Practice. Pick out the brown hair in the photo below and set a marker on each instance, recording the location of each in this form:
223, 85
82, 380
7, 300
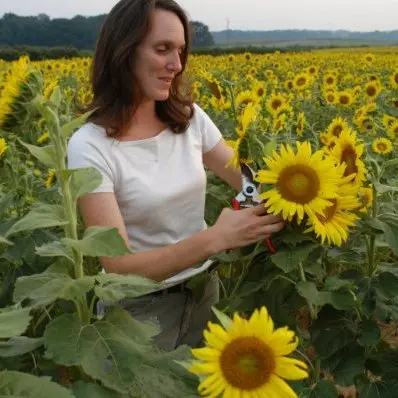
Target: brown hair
115, 101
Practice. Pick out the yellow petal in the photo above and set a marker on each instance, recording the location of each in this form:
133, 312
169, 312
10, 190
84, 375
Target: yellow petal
290, 368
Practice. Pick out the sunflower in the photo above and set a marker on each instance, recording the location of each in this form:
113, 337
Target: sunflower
330, 81
300, 124
345, 98
301, 183
279, 123
247, 116
382, 146
337, 125
365, 124
369, 58
248, 359
43, 137
392, 130
302, 81
348, 150
13, 88
394, 103
259, 89
274, 102
365, 195
330, 97
3, 146
245, 97
388, 120
372, 90
334, 224
394, 79
241, 152
51, 178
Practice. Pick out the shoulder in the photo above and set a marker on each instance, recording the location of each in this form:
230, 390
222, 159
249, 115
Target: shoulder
89, 133
199, 117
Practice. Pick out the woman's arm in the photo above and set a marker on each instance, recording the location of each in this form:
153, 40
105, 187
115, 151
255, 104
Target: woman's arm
216, 160
232, 229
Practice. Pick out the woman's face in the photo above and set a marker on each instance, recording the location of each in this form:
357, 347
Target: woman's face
158, 56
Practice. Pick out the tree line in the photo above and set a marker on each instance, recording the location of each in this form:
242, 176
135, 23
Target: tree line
79, 32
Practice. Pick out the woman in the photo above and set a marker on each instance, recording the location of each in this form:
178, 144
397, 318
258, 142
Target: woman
151, 144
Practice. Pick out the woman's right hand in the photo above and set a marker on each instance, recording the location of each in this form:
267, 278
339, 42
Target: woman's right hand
240, 228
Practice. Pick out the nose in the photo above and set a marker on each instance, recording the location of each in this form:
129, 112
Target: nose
174, 62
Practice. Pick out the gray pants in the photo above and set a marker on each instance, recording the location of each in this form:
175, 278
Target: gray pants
182, 318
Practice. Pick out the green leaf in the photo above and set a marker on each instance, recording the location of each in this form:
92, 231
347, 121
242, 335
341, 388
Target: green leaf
115, 287
19, 345
369, 333
84, 181
56, 97
85, 390
55, 249
333, 283
225, 320
43, 216
351, 365
270, 147
110, 349
17, 385
288, 259
342, 299
5, 241
387, 284
324, 389
14, 322
45, 154
99, 241
69, 128
43, 289
382, 188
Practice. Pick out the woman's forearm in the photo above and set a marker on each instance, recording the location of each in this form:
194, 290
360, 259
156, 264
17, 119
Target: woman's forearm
160, 264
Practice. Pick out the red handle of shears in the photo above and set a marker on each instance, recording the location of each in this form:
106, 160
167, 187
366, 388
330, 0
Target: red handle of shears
271, 248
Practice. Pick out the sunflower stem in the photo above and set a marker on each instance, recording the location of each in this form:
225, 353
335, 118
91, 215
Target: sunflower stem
311, 307
372, 239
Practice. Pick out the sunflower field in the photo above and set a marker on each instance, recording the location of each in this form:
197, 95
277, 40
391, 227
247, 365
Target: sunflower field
316, 316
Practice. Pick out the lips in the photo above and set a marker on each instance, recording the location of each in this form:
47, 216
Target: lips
166, 79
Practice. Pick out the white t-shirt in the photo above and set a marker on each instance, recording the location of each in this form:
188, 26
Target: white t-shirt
159, 182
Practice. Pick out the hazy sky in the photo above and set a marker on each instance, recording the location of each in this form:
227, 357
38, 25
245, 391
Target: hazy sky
359, 15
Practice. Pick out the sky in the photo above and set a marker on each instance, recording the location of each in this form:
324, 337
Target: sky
354, 15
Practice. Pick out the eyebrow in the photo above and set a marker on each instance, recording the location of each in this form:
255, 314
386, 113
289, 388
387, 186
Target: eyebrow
168, 43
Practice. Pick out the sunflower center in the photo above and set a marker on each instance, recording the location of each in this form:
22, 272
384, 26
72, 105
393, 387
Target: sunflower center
298, 183
349, 156
396, 78
371, 91
247, 363
381, 146
329, 212
260, 92
301, 81
330, 80
337, 130
344, 100
276, 104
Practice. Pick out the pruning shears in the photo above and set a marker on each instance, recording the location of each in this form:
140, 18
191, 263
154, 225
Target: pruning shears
249, 196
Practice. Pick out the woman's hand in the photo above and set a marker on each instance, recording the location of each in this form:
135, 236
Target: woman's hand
235, 229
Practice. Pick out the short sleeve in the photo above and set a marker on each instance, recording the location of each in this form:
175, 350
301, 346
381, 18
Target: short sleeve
85, 151
210, 133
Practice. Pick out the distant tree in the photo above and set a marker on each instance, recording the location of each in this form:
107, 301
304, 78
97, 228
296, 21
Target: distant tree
201, 36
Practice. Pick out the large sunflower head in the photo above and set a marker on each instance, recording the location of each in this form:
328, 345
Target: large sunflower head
248, 359
300, 183
333, 225
302, 81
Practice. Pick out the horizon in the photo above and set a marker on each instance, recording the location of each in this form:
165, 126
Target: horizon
250, 15
222, 30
